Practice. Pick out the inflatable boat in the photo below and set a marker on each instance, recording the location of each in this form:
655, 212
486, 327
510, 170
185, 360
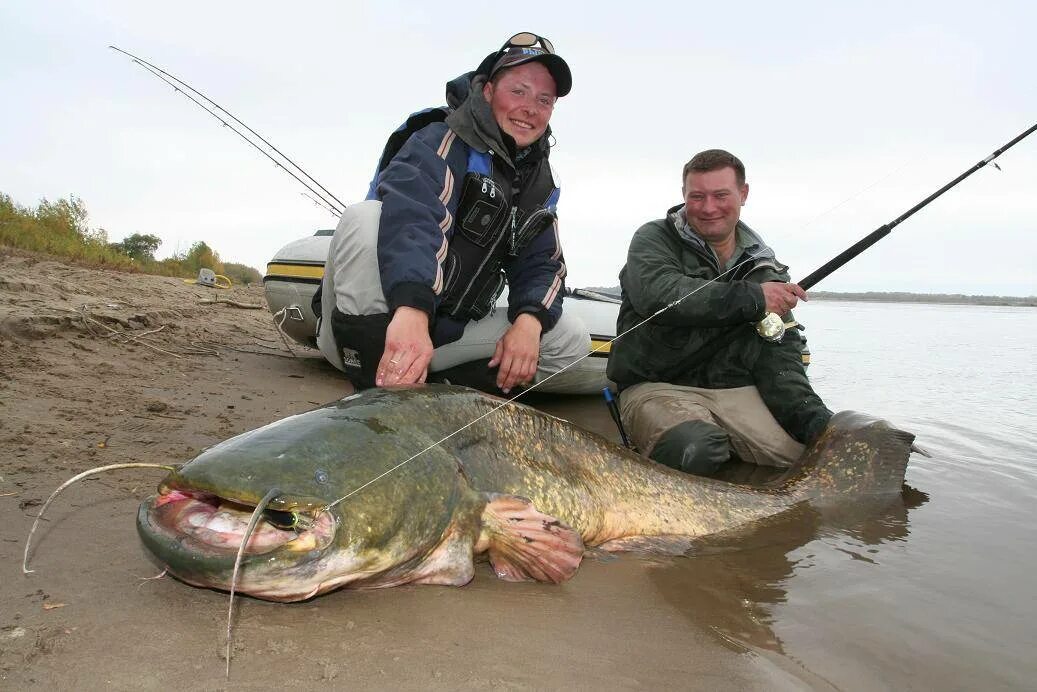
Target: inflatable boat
295, 272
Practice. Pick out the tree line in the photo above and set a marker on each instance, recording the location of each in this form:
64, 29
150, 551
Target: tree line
60, 228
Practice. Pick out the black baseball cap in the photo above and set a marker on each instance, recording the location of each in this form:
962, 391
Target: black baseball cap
528, 47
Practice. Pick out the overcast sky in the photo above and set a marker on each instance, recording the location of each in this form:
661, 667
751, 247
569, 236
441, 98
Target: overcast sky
846, 115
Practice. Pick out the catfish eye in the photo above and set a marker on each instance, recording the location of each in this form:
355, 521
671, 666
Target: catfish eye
286, 521
321, 476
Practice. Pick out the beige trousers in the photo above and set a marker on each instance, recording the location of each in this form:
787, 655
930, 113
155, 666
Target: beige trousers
650, 409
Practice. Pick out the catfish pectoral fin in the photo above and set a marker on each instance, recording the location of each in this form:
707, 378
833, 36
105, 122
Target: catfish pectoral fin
525, 544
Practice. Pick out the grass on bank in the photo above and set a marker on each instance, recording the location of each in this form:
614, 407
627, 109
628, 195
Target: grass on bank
60, 229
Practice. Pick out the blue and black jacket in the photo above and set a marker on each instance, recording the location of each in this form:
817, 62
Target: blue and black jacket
463, 212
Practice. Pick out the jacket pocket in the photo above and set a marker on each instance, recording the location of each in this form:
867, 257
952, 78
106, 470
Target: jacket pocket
449, 272
537, 222
481, 209
484, 298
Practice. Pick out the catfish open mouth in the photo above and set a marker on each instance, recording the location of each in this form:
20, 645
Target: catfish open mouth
216, 526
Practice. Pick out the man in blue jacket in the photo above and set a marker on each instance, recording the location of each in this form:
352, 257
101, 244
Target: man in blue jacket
465, 203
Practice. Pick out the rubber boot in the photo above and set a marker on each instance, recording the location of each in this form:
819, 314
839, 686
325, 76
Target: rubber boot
693, 446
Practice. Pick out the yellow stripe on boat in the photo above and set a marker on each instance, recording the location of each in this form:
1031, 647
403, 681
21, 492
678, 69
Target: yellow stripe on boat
295, 271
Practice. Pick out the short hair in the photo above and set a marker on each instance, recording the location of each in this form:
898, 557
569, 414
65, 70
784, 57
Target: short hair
714, 160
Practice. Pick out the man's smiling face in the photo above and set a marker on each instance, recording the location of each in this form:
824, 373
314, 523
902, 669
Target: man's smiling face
713, 201
522, 99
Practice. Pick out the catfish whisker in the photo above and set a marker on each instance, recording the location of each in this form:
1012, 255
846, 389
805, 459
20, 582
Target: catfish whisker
70, 481
256, 514
144, 580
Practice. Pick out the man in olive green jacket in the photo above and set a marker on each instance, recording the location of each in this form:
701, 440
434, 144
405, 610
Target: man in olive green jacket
697, 382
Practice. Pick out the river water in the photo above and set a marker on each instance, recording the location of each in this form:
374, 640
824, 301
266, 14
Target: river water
941, 593
936, 589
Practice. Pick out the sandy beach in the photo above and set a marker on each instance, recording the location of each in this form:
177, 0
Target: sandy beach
100, 367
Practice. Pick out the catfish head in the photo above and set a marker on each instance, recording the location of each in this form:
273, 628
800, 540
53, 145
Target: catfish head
328, 525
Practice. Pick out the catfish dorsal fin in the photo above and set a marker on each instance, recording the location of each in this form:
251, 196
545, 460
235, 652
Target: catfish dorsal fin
525, 544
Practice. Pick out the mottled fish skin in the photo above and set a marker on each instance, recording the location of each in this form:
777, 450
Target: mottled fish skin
424, 522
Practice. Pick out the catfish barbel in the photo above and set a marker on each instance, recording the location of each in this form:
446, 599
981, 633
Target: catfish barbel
528, 490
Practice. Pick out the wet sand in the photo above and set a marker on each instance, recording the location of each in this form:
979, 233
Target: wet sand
74, 395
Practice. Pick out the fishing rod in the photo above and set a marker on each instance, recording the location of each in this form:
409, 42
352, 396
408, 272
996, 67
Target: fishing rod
884, 230
179, 85
772, 327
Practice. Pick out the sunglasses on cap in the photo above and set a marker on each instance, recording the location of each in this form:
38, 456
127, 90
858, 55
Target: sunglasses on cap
523, 47
525, 39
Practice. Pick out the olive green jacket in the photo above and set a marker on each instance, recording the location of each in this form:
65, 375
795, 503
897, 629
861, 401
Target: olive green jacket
708, 338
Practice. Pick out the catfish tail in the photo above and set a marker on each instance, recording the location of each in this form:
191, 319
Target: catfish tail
856, 454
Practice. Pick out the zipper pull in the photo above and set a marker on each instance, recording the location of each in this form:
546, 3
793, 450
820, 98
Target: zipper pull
514, 210
484, 186
493, 190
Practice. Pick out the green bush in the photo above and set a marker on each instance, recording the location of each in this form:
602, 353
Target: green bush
57, 228
241, 274
60, 229
140, 247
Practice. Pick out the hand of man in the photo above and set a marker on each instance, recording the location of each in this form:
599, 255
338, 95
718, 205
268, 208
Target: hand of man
408, 349
518, 352
781, 297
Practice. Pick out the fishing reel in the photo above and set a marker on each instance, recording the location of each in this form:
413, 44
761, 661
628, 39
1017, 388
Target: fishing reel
771, 327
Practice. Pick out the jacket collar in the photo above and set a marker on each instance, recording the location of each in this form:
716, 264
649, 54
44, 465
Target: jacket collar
749, 239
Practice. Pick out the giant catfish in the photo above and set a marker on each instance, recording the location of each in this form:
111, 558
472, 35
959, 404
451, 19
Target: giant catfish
367, 493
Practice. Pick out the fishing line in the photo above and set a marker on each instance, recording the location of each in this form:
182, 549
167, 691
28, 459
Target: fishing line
162, 74
808, 282
857, 194
597, 349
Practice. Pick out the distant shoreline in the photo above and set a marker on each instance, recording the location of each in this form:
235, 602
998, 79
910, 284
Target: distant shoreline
933, 298
899, 297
